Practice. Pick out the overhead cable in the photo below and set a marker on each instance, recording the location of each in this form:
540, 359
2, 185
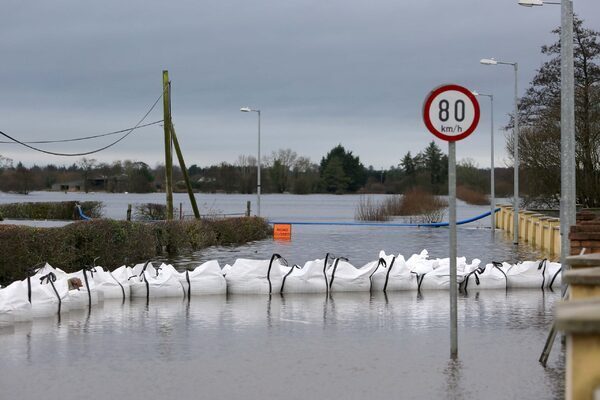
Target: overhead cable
87, 152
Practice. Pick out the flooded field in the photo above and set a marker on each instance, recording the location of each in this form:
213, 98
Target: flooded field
352, 346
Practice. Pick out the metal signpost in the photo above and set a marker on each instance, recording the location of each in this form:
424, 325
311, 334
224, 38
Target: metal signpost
451, 112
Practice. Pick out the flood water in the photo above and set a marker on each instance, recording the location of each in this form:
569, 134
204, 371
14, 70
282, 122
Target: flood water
351, 346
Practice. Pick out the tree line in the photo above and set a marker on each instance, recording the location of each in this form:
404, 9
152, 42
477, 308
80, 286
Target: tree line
283, 171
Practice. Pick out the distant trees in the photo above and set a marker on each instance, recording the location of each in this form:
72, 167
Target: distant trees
283, 171
539, 115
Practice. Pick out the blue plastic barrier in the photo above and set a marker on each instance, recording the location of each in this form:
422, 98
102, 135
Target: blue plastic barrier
434, 224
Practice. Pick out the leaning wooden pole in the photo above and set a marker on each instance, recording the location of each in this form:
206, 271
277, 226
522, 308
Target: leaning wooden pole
185, 173
168, 143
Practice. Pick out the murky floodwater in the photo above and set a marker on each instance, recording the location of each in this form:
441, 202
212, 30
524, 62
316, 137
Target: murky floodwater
351, 346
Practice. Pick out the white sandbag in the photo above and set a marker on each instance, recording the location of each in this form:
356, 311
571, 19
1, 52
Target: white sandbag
112, 285
393, 275
311, 278
86, 295
439, 276
226, 269
345, 277
149, 282
529, 275
256, 276
48, 291
490, 276
14, 304
204, 279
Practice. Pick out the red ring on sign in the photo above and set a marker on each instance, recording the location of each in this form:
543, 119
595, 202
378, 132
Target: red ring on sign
433, 95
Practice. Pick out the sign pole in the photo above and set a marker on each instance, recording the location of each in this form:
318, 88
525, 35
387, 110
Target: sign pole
451, 113
452, 221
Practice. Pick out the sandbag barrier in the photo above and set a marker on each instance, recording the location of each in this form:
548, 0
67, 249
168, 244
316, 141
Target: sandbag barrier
49, 291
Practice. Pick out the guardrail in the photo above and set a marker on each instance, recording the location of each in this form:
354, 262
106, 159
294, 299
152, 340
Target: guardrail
538, 230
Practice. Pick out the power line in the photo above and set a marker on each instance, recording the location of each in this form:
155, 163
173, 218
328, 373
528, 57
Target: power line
87, 152
84, 137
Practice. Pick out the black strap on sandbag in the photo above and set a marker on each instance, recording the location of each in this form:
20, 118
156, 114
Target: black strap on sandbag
498, 265
542, 267
325, 272
87, 284
286, 275
476, 272
335, 265
119, 283
387, 275
51, 278
274, 257
380, 262
419, 280
187, 278
143, 277
554, 277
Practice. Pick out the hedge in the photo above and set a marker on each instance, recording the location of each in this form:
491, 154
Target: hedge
51, 210
116, 242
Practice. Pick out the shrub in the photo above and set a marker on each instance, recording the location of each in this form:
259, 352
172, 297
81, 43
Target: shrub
471, 196
64, 210
422, 206
150, 212
370, 210
116, 242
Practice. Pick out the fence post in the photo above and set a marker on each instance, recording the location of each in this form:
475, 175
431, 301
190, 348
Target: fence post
248, 208
128, 212
180, 211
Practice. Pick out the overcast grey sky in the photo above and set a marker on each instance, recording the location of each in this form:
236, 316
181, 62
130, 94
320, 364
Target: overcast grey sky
322, 72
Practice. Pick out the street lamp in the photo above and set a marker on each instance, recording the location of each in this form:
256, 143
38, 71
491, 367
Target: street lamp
492, 184
248, 109
492, 61
568, 188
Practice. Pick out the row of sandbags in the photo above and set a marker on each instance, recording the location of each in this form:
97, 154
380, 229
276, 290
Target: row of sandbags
48, 291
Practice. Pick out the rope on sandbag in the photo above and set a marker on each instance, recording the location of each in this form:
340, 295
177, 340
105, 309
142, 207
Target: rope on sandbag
286, 275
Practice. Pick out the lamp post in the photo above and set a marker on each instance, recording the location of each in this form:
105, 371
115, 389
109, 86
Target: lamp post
491, 61
568, 188
492, 184
248, 109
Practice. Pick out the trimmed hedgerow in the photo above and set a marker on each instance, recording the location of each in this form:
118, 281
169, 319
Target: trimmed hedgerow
51, 210
116, 242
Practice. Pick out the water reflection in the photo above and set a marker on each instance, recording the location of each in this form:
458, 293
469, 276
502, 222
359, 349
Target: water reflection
342, 344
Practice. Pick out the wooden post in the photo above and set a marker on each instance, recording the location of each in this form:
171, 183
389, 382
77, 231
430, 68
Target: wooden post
128, 212
186, 176
168, 143
248, 208
180, 211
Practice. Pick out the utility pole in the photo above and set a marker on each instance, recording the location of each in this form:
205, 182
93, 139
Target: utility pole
168, 143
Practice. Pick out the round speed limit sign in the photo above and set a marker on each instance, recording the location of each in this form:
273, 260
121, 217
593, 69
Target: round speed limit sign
451, 112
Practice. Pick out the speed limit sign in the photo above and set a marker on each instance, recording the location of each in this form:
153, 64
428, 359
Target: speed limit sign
451, 112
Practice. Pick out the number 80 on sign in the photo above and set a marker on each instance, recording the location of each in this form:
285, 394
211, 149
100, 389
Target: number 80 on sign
451, 112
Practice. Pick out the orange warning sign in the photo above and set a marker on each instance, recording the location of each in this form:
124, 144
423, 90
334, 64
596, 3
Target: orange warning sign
282, 231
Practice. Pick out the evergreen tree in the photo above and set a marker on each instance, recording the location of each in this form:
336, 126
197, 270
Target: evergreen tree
354, 172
